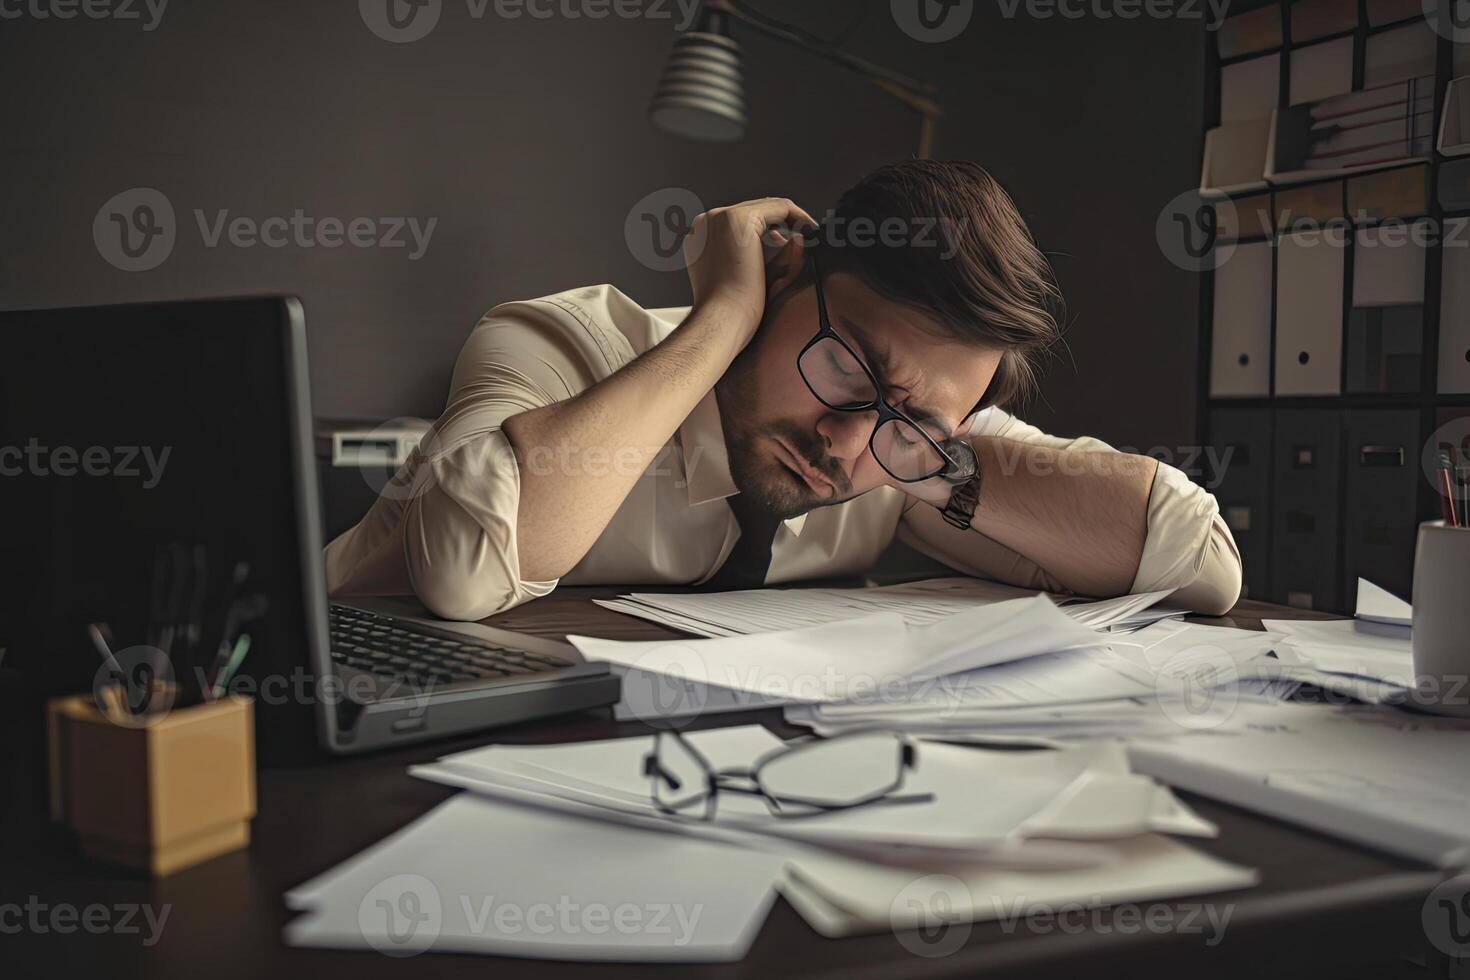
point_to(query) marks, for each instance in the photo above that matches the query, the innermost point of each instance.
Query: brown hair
(959, 250)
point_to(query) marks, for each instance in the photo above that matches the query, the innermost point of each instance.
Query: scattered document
(1346, 646)
(552, 855)
(919, 603)
(1170, 678)
(482, 876)
(980, 803)
(839, 660)
(1382, 778)
(1378, 605)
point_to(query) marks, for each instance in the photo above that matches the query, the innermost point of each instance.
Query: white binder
(1309, 289)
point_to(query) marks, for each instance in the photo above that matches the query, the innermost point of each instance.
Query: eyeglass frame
(718, 780)
(886, 411)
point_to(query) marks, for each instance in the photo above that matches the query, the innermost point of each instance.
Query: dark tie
(751, 557)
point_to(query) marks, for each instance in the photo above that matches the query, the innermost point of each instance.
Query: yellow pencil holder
(157, 793)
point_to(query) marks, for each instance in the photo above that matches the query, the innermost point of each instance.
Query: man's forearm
(579, 458)
(1081, 515)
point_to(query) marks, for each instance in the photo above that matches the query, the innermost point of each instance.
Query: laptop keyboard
(393, 649)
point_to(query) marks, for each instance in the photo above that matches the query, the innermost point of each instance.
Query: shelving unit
(1325, 481)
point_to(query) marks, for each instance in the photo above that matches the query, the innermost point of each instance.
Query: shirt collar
(707, 460)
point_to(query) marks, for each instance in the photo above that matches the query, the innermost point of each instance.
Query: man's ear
(784, 266)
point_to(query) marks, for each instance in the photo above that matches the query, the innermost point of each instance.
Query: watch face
(963, 455)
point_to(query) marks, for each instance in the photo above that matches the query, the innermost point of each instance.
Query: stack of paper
(833, 661)
(1379, 777)
(919, 603)
(556, 854)
(1168, 679)
(1370, 656)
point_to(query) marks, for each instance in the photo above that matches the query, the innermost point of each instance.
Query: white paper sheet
(1378, 605)
(1347, 646)
(481, 876)
(839, 660)
(919, 603)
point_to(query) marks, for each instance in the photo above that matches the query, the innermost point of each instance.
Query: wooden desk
(1323, 908)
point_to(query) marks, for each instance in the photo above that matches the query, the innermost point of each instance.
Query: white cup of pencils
(1441, 637)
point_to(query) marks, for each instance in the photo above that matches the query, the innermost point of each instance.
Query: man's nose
(846, 433)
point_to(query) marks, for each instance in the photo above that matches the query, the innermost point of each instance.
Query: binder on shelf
(1385, 334)
(1319, 71)
(1241, 332)
(1249, 89)
(1309, 288)
(1454, 119)
(1454, 308)
(1454, 185)
(1247, 33)
(1235, 158)
(1382, 483)
(1368, 130)
(1399, 54)
(1401, 193)
(1313, 19)
(1309, 206)
(1304, 507)
(1244, 217)
(1241, 439)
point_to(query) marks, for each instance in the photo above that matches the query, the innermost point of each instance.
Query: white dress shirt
(445, 528)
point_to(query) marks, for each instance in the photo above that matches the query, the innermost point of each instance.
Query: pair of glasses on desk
(803, 779)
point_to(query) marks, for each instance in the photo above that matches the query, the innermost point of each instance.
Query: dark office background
(528, 140)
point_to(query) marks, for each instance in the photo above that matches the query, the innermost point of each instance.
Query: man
(811, 405)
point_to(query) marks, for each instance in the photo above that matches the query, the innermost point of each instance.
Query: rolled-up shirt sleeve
(1188, 549)
(452, 508)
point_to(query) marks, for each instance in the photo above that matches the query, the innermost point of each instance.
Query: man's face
(794, 452)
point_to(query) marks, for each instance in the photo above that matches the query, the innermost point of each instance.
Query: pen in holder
(158, 791)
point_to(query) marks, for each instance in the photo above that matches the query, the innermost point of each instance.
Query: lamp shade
(701, 94)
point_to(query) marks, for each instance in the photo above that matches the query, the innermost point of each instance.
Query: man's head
(933, 279)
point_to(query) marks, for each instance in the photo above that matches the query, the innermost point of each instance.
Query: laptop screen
(133, 441)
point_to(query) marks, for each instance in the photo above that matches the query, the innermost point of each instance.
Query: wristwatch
(965, 476)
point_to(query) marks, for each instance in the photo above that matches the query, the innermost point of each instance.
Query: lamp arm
(911, 91)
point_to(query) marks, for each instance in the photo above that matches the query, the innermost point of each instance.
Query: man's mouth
(819, 484)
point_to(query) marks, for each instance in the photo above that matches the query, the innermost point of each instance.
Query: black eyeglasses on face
(838, 378)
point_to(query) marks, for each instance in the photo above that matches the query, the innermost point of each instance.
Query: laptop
(131, 436)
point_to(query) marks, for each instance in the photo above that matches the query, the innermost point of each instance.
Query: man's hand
(727, 264)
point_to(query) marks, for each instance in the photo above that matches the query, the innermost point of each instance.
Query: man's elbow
(1216, 586)
(461, 597)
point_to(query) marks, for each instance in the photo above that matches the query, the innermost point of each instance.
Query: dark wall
(527, 140)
